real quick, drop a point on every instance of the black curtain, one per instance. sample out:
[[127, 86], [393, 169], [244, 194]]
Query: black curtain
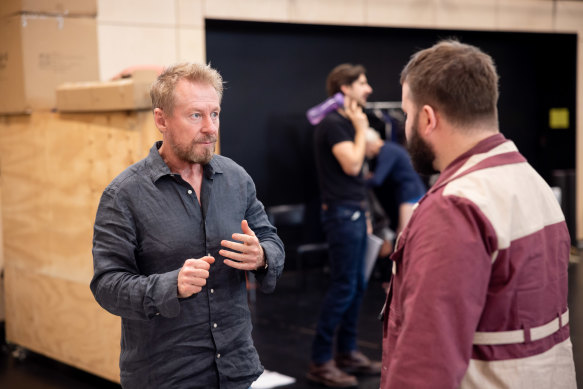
[[276, 71]]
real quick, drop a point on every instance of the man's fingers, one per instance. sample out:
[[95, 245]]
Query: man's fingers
[[185, 291], [201, 263], [232, 245], [196, 273], [200, 282], [245, 238], [246, 229], [239, 265], [232, 255], [208, 259], [245, 248], [193, 275]]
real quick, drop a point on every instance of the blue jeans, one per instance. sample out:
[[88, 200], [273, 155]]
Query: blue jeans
[[345, 229]]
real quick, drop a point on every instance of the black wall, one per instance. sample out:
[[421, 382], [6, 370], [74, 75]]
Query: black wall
[[275, 72]]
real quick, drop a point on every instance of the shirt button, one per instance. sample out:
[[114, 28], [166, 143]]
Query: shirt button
[[214, 325], [189, 191], [218, 355], [212, 291]]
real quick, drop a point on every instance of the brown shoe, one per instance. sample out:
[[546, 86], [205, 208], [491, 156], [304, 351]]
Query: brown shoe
[[356, 362], [331, 376]]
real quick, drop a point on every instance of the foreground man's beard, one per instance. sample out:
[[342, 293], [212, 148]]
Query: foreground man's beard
[[422, 155], [189, 154]]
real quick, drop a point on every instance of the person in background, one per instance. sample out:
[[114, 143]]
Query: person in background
[[379, 225], [173, 239], [339, 152], [479, 290], [393, 178], [394, 187]]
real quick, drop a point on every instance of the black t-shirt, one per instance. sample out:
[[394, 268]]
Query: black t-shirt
[[335, 185]]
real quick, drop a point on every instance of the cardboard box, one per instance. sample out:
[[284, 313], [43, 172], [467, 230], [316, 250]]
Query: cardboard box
[[123, 94], [38, 53], [51, 7]]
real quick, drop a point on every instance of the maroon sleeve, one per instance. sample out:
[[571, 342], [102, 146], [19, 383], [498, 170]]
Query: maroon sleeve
[[442, 277]]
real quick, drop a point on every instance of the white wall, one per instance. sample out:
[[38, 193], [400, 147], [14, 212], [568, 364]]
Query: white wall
[[148, 32]]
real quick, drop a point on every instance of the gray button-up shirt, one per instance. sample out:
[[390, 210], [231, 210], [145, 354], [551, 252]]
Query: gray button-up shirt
[[148, 223]]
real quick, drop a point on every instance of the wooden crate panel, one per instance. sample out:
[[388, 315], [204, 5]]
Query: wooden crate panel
[[60, 319], [56, 167], [53, 169]]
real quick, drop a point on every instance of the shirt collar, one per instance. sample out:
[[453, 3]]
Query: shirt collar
[[158, 168], [483, 146]]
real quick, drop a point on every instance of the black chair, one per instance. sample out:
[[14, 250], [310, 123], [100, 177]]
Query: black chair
[[299, 238]]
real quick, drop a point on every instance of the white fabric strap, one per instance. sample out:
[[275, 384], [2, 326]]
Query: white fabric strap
[[519, 336]]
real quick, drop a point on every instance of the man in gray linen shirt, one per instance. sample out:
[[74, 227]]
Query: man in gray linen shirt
[[174, 235]]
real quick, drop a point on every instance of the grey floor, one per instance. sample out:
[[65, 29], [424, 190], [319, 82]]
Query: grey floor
[[284, 324]]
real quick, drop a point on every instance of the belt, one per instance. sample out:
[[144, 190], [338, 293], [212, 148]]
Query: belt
[[522, 336]]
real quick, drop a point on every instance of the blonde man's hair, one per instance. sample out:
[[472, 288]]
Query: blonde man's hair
[[162, 90]]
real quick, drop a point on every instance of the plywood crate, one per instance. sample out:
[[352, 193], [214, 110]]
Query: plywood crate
[[53, 169]]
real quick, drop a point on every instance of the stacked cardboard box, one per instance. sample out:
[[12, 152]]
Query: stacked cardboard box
[[44, 43], [128, 93]]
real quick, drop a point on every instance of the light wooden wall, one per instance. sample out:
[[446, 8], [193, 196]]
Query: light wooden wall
[[54, 168]]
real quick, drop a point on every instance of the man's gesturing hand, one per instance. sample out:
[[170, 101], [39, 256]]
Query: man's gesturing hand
[[248, 253], [192, 276]]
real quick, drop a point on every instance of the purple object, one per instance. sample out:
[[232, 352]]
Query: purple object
[[317, 113]]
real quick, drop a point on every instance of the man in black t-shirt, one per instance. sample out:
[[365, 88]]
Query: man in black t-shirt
[[339, 151]]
